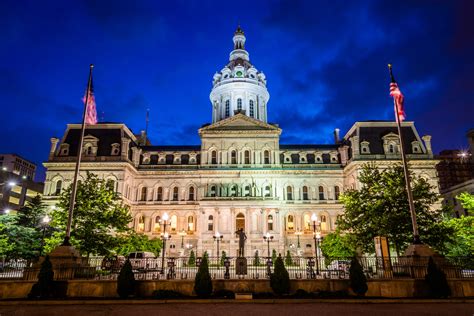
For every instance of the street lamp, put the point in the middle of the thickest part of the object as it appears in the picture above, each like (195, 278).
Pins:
(316, 225)
(7, 211)
(44, 222)
(268, 238)
(218, 238)
(164, 238)
(182, 234)
(298, 233)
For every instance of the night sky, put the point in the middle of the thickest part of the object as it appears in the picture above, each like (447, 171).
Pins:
(325, 62)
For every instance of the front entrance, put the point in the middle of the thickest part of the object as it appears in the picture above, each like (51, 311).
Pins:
(240, 222)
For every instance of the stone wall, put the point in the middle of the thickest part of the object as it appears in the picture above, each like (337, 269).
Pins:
(108, 289)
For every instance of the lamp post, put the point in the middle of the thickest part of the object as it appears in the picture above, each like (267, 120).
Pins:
(44, 222)
(164, 238)
(218, 238)
(298, 233)
(268, 238)
(316, 226)
(182, 234)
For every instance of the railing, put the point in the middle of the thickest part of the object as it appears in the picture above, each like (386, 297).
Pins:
(256, 268)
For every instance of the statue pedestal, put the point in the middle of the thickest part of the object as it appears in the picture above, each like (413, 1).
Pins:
(241, 266)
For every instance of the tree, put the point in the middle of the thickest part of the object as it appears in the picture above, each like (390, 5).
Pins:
(192, 259)
(461, 247)
(288, 259)
(467, 201)
(274, 255)
(357, 279)
(126, 281)
(280, 279)
(223, 257)
(32, 214)
(256, 259)
(20, 242)
(202, 281)
(99, 219)
(336, 246)
(380, 208)
(133, 241)
(436, 280)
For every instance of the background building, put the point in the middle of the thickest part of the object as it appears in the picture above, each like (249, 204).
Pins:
(17, 165)
(240, 176)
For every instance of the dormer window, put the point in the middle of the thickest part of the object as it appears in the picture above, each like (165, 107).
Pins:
(115, 149)
(88, 150)
(391, 144)
(416, 148)
(64, 149)
(364, 147)
(318, 158)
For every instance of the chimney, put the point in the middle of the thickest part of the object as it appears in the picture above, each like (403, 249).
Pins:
(336, 136)
(54, 145)
(427, 140)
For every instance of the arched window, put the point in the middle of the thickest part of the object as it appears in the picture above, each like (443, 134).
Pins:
(174, 223)
(270, 223)
(157, 225)
(266, 157)
(289, 193)
(307, 222)
(290, 223)
(190, 223)
(212, 191)
(247, 190)
(336, 192)
(111, 184)
(143, 194)
(141, 224)
(391, 148)
(305, 193)
(240, 221)
(159, 194)
(247, 157)
(233, 157)
(214, 157)
(191, 194)
(321, 193)
(88, 150)
(233, 190)
(175, 194)
(324, 224)
(239, 104)
(251, 109)
(227, 108)
(268, 192)
(210, 223)
(59, 185)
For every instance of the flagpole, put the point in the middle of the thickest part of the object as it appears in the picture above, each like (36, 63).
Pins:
(72, 200)
(416, 235)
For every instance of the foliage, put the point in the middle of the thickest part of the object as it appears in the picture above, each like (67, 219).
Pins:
(223, 256)
(462, 244)
(192, 259)
(467, 201)
(280, 279)
(288, 259)
(202, 281)
(256, 259)
(337, 245)
(18, 241)
(99, 217)
(436, 280)
(133, 241)
(357, 279)
(44, 288)
(32, 214)
(274, 255)
(126, 281)
(380, 208)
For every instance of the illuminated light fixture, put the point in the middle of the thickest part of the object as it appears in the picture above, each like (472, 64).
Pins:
(46, 219)
(12, 183)
(7, 211)
(4, 168)
(314, 217)
(23, 177)
(165, 216)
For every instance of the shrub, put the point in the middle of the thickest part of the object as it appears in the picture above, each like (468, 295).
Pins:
(166, 294)
(256, 259)
(224, 255)
(436, 281)
(44, 288)
(288, 259)
(280, 279)
(274, 255)
(202, 281)
(192, 259)
(358, 281)
(126, 281)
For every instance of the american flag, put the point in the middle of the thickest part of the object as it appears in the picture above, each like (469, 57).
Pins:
(397, 98)
(91, 112)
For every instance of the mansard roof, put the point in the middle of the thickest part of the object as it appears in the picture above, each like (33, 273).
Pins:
(309, 146)
(172, 148)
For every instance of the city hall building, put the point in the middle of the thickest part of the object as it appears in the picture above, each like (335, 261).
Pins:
(240, 176)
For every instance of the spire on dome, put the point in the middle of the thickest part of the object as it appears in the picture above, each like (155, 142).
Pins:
(239, 30)
(239, 42)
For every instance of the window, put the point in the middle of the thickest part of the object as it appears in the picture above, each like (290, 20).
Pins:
(111, 184)
(175, 194)
(141, 224)
(233, 157)
(270, 223)
(289, 193)
(290, 222)
(240, 221)
(227, 108)
(157, 225)
(190, 224)
(321, 193)
(324, 224)
(247, 190)
(267, 191)
(210, 223)
(233, 190)
(59, 184)
(391, 148)
(88, 150)
(174, 223)
(212, 191)
(307, 222)
(214, 157)
(305, 193)
(266, 157)
(336, 193)
(159, 194)
(191, 194)
(247, 157)
(239, 104)
(143, 194)
(251, 109)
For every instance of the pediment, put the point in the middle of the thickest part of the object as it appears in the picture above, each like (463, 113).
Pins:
(390, 135)
(240, 122)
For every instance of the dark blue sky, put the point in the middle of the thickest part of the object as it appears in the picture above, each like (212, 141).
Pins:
(325, 61)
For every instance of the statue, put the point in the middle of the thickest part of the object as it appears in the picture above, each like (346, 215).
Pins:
(242, 238)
